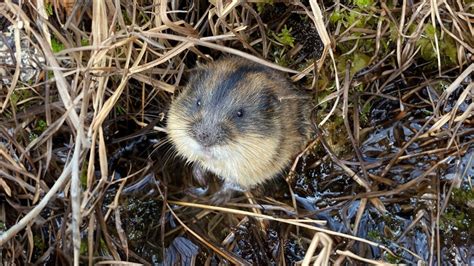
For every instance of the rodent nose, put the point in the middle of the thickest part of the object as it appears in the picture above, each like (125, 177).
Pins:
(206, 136)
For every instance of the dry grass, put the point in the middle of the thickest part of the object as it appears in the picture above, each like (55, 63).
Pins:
(86, 174)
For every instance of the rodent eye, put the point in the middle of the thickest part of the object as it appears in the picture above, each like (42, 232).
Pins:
(240, 113)
(198, 103)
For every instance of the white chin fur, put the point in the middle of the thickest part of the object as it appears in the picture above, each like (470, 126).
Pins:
(192, 150)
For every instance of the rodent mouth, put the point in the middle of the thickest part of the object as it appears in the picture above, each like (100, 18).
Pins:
(206, 153)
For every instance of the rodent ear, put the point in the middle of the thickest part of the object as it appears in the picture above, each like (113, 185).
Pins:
(199, 64)
(202, 61)
(199, 68)
(197, 75)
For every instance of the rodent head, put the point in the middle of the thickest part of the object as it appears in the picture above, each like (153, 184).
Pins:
(225, 112)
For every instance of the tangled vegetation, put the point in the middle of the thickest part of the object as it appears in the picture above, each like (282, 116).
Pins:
(87, 175)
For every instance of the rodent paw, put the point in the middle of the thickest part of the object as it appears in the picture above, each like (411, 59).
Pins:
(199, 175)
(199, 191)
(222, 196)
(226, 192)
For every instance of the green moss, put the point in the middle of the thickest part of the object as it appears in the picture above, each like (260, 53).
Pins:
(363, 3)
(344, 47)
(459, 215)
(56, 46)
(83, 249)
(440, 86)
(32, 136)
(361, 17)
(365, 112)
(411, 29)
(323, 94)
(427, 112)
(261, 5)
(341, 64)
(83, 177)
(368, 46)
(461, 197)
(14, 98)
(279, 55)
(430, 31)
(355, 18)
(392, 259)
(393, 29)
(38, 242)
(426, 49)
(447, 46)
(335, 17)
(19, 95)
(336, 139)
(126, 18)
(84, 42)
(120, 110)
(374, 235)
(359, 62)
(454, 219)
(102, 244)
(50, 74)
(41, 125)
(285, 37)
(49, 8)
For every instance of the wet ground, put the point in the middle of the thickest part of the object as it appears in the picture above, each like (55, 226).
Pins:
(423, 184)
(396, 182)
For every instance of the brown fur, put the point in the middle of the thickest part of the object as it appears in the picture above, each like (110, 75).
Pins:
(243, 151)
